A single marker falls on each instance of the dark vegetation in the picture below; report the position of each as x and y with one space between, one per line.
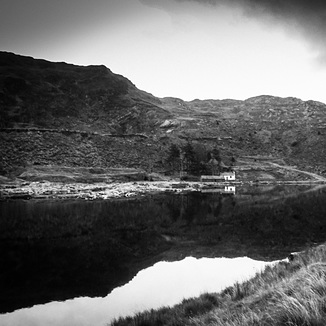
188 159
22 150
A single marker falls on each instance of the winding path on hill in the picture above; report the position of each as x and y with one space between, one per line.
314 175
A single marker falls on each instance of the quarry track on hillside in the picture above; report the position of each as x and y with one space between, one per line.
286 167
267 163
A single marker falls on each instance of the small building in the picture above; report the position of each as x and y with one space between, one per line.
228 176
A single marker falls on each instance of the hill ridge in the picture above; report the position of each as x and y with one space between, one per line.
36 93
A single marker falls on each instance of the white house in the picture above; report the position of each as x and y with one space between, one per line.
228 176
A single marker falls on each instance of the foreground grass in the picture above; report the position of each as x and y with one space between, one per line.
288 293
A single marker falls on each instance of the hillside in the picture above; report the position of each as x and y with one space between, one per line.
68 115
59 95
264 125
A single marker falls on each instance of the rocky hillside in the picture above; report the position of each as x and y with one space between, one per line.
264 125
38 93
63 114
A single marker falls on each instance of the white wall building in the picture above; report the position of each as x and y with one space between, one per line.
228 176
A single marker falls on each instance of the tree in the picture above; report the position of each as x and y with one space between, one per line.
215 161
173 158
187 158
233 160
192 163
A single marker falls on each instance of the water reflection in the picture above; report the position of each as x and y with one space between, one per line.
228 190
163 284
57 250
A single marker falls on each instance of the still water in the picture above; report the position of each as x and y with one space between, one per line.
165 283
82 263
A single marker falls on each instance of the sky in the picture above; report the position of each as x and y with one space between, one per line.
190 49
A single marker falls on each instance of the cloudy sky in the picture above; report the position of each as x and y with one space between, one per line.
183 48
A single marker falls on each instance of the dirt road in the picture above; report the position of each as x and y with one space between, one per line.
286 167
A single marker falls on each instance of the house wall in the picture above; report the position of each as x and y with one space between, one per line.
212 178
229 177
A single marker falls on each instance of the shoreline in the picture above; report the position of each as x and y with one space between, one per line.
20 189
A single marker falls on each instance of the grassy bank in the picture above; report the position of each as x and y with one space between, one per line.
288 293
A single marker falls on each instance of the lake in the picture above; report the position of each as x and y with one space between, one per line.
77 262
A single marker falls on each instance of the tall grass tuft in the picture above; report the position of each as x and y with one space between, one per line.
286 294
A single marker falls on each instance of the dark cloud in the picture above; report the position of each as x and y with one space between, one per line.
304 11
309 16
301 10
305 17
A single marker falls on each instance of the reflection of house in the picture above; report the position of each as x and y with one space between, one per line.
229 189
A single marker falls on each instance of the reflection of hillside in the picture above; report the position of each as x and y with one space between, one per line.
54 250
258 224
267 194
